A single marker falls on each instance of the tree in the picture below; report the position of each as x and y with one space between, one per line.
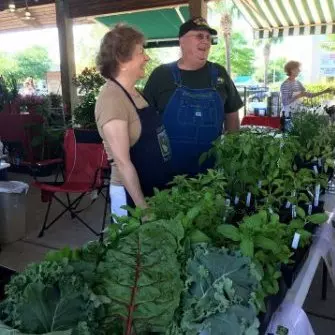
32 62
275 71
87 45
7 64
151 65
242 57
228 10
267 43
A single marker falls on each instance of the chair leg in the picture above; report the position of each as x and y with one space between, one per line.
41 233
70 209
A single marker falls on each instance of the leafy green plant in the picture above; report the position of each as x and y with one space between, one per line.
89 82
141 276
254 237
219 292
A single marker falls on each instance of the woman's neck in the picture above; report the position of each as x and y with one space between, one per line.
127 82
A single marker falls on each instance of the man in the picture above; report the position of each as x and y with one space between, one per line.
197 98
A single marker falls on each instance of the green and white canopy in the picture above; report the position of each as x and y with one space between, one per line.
159 26
274 18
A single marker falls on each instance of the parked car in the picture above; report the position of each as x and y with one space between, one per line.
258 94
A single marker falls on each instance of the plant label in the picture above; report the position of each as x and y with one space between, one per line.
248 199
294 212
288 204
237 199
295 241
317 195
310 208
315 168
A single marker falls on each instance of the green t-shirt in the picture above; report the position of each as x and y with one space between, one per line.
160 86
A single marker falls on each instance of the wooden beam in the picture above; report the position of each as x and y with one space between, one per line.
66 48
198 8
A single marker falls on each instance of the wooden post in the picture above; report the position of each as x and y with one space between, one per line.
66 49
198 8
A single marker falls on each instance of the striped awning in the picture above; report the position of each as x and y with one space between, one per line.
274 18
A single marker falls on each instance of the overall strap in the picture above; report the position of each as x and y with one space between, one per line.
176 73
214 71
124 90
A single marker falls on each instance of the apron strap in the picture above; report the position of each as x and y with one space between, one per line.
124 90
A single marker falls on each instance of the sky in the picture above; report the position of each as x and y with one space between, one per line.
293 48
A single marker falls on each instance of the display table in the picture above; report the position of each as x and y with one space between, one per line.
290 313
265 121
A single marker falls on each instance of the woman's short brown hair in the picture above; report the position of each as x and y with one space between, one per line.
117 46
290 66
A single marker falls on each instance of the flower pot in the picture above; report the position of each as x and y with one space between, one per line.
291 271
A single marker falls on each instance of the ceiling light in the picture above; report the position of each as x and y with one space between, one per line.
11 6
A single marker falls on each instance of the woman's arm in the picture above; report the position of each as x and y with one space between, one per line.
116 134
312 95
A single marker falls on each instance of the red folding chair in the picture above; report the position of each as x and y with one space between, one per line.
84 163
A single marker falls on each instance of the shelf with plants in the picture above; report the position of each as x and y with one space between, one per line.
205 258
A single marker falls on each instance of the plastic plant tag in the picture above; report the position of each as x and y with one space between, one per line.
294 212
295 241
288 204
310 208
227 202
259 184
236 200
293 193
315 168
248 199
317 195
290 319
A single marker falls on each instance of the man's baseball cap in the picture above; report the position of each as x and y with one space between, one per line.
197 23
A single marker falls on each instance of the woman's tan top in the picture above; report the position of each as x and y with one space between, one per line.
113 104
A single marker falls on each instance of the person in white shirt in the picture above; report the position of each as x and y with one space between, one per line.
292 90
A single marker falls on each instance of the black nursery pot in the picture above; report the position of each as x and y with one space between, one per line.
285 215
272 303
319 208
5 276
291 271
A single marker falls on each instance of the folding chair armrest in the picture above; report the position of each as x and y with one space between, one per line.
37 166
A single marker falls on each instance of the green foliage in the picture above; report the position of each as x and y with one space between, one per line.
32 62
142 277
219 294
242 57
275 71
150 66
254 237
89 82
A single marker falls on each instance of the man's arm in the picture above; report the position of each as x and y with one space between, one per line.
232 122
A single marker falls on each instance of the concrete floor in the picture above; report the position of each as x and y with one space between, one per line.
68 232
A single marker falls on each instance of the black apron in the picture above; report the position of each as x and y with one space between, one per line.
151 154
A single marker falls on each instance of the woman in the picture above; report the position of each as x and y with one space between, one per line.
132 132
292 89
